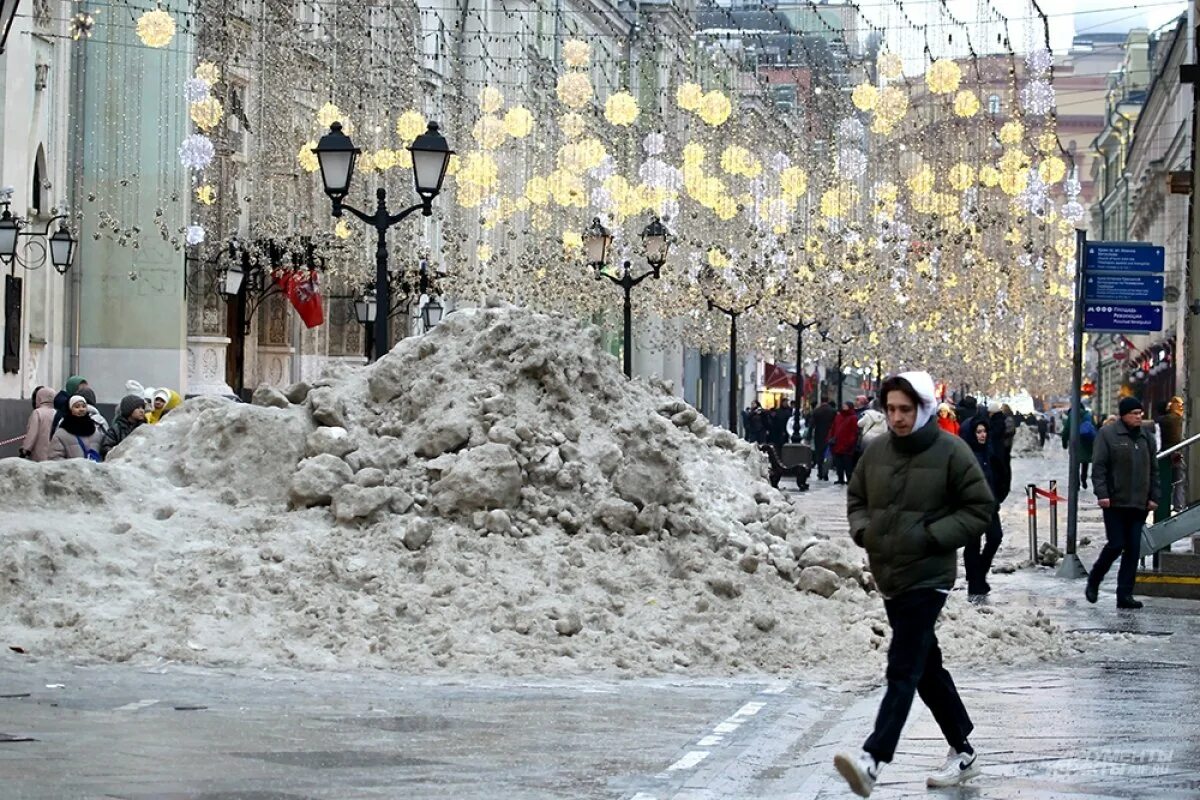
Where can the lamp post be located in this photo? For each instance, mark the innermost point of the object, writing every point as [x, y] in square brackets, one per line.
[733, 314]
[799, 326]
[408, 288]
[656, 241]
[336, 155]
[60, 244]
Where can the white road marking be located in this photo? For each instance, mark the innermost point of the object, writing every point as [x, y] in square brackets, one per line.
[749, 710]
[689, 760]
[778, 688]
[711, 741]
[140, 704]
[643, 796]
[727, 727]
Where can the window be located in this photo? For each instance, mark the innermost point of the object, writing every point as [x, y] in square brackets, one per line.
[37, 191]
[994, 104]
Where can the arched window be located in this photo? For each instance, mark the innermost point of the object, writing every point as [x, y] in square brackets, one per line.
[993, 104]
[38, 202]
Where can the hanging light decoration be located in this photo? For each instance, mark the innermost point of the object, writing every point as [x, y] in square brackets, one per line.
[206, 195]
[621, 109]
[890, 65]
[574, 89]
[943, 76]
[576, 53]
[518, 122]
[491, 100]
[865, 96]
[196, 152]
[715, 108]
[207, 113]
[410, 125]
[1038, 61]
[209, 72]
[1037, 97]
[966, 103]
[689, 96]
[196, 89]
[156, 28]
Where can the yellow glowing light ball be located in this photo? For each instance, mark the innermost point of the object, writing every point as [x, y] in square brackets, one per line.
[518, 122]
[470, 195]
[1013, 183]
[921, 181]
[385, 159]
[1047, 142]
[838, 201]
[453, 165]
[943, 76]
[715, 108]
[365, 162]
[489, 132]
[717, 259]
[946, 204]
[882, 126]
[693, 154]
[1014, 161]
[966, 104]
[491, 100]
[567, 189]
[307, 158]
[892, 103]
[206, 194]
[574, 89]
[156, 28]
[1011, 132]
[621, 109]
[923, 203]
[479, 169]
[1052, 169]
[343, 230]
[403, 159]
[865, 96]
[571, 240]
[793, 181]
[410, 125]
[989, 176]
[886, 192]
[329, 114]
[209, 72]
[576, 53]
[889, 65]
[207, 113]
[961, 176]
[734, 159]
[726, 208]
[483, 252]
[689, 96]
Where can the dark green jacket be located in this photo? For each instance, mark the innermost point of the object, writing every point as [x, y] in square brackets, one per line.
[1123, 468]
[913, 501]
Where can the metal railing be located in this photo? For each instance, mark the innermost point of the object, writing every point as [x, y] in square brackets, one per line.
[1032, 492]
[1185, 443]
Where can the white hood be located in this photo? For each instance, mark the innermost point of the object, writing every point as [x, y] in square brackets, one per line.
[923, 383]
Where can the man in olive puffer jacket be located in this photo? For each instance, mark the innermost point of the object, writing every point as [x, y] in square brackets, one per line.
[917, 496]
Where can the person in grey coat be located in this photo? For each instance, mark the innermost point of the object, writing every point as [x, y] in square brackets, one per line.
[77, 436]
[1124, 479]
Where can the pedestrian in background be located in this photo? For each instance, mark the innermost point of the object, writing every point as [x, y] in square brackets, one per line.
[844, 441]
[88, 394]
[822, 424]
[915, 499]
[63, 398]
[164, 401]
[1087, 440]
[131, 414]
[1173, 468]
[36, 445]
[1126, 489]
[946, 419]
[1043, 429]
[981, 550]
[77, 435]
[1001, 449]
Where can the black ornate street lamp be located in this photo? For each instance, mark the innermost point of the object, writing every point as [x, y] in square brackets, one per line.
[407, 287]
[656, 241]
[799, 326]
[733, 314]
[336, 155]
[60, 244]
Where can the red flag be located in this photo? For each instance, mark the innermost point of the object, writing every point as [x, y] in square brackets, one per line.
[305, 295]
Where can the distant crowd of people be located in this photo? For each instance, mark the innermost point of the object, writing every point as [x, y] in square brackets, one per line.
[67, 424]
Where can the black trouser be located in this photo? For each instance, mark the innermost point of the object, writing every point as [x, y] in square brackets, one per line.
[978, 563]
[819, 445]
[1083, 471]
[915, 666]
[844, 465]
[1123, 529]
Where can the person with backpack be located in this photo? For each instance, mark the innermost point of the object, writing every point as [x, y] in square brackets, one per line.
[1087, 439]
[77, 436]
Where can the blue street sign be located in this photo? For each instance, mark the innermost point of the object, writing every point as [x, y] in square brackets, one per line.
[1111, 318]
[1131, 288]
[1123, 257]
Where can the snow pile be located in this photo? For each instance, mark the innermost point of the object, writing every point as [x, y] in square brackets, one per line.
[1026, 441]
[492, 496]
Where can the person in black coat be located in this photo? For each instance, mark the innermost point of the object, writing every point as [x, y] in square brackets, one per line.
[822, 423]
[754, 423]
[1001, 455]
[778, 425]
[979, 553]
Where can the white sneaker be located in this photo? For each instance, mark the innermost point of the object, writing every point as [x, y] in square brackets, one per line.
[860, 771]
[958, 768]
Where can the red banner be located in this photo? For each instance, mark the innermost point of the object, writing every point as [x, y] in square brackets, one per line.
[304, 293]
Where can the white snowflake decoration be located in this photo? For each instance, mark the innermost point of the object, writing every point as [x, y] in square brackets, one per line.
[1072, 211]
[780, 162]
[852, 163]
[195, 90]
[195, 234]
[1039, 60]
[1037, 97]
[196, 152]
[851, 130]
[654, 143]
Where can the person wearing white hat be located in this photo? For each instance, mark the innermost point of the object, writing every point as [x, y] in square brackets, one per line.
[77, 436]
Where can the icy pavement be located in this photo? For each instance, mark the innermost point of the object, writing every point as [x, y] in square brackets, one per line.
[1116, 723]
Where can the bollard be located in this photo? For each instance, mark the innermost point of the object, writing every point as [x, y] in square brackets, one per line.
[1054, 514]
[1031, 496]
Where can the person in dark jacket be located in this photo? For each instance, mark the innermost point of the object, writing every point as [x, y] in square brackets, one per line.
[917, 496]
[968, 413]
[822, 423]
[131, 414]
[844, 440]
[1087, 441]
[1126, 486]
[977, 562]
[753, 422]
[778, 424]
[1043, 429]
[62, 399]
[1000, 432]
[1173, 469]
